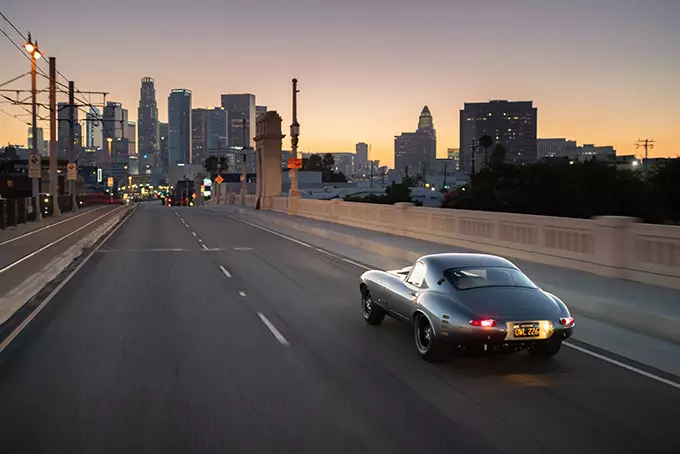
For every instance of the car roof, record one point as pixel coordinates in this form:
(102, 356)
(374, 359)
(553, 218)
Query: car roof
(445, 261)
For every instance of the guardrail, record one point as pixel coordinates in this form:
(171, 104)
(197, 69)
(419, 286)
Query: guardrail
(609, 245)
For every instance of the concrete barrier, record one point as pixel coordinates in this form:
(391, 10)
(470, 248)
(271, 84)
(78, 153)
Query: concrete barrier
(21, 294)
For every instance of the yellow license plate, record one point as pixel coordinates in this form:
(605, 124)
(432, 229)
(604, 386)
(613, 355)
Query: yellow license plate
(526, 330)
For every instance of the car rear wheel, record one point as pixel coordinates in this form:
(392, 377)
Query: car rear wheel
(373, 314)
(427, 344)
(546, 349)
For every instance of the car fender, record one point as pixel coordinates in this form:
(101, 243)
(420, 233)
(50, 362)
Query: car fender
(563, 307)
(434, 305)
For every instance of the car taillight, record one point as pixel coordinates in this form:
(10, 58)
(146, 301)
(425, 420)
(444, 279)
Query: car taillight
(567, 321)
(486, 323)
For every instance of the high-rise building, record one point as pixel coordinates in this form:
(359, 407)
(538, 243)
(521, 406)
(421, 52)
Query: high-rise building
(511, 124)
(216, 129)
(131, 136)
(114, 127)
(260, 110)
(63, 130)
(179, 127)
(41, 148)
(147, 130)
(361, 159)
(416, 152)
(198, 137)
(163, 145)
(240, 107)
(93, 128)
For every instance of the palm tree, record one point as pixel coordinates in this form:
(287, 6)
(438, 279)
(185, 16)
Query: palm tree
(210, 165)
(328, 161)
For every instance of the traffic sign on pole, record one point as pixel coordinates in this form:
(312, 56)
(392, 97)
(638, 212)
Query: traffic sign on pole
(71, 171)
(219, 179)
(34, 165)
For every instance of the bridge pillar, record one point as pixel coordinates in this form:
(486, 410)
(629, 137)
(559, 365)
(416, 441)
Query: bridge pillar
(268, 142)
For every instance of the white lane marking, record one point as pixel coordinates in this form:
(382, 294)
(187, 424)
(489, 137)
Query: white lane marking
(328, 253)
(356, 264)
(26, 257)
(226, 273)
(61, 285)
(625, 366)
(272, 231)
(242, 293)
(51, 225)
(193, 233)
(279, 337)
(343, 259)
(205, 247)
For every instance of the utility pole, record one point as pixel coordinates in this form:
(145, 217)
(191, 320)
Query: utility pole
(244, 188)
(54, 182)
(35, 54)
(294, 135)
(218, 191)
(647, 144)
(445, 163)
(71, 142)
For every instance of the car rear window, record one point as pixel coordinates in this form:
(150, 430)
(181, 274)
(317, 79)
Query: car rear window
(477, 277)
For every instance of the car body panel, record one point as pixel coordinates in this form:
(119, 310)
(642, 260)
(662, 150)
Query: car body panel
(450, 310)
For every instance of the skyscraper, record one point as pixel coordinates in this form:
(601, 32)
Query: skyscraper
(147, 130)
(179, 127)
(361, 159)
(163, 145)
(511, 124)
(92, 127)
(416, 152)
(63, 130)
(240, 107)
(198, 138)
(114, 126)
(215, 129)
(260, 110)
(42, 149)
(131, 136)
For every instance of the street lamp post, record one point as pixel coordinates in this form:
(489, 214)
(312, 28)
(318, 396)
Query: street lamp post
(33, 50)
(294, 135)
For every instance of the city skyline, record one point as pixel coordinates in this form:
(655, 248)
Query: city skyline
(606, 84)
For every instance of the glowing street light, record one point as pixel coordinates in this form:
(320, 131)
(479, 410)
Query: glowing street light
(32, 49)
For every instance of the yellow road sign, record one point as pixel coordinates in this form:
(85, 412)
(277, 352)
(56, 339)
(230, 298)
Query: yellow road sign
(219, 179)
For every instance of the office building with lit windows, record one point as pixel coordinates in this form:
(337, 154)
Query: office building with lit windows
(513, 124)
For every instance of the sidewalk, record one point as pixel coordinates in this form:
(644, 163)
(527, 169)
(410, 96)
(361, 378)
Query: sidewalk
(638, 307)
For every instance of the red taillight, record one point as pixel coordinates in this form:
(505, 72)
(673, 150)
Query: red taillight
(486, 323)
(567, 321)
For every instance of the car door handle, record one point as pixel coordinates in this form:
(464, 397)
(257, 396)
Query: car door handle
(412, 293)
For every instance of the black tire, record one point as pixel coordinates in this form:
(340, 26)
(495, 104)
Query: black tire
(546, 349)
(427, 344)
(373, 314)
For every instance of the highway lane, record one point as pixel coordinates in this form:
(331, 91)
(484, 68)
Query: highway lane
(159, 345)
(576, 402)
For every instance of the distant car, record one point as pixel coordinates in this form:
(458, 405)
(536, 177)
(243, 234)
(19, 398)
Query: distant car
(472, 302)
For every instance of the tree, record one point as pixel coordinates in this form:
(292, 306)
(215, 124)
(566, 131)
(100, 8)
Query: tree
(497, 155)
(210, 165)
(10, 153)
(328, 161)
(312, 163)
(664, 184)
(486, 142)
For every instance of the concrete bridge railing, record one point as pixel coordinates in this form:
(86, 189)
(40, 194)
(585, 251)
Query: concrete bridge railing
(610, 246)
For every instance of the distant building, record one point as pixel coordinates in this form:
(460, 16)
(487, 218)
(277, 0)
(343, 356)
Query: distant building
(511, 124)
(163, 146)
(41, 145)
(179, 127)
(93, 130)
(260, 110)
(345, 163)
(416, 152)
(131, 135)
(361, 159)
(453, 154)
(64, 120)
(147, 130)
(556, 148)
(241, 119)
(114, 127)
(198, 139)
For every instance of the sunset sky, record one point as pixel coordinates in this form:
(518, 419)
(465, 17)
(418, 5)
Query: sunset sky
(599, 71)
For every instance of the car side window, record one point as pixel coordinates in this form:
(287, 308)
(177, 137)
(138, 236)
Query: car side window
(417, 275)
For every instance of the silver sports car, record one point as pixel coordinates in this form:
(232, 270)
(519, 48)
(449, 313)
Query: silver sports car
(473, 302)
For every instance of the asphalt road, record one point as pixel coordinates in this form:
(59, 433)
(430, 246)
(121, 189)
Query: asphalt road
(193, 332)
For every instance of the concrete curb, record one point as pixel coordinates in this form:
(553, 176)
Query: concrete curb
(660, 326)
(21, 294)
